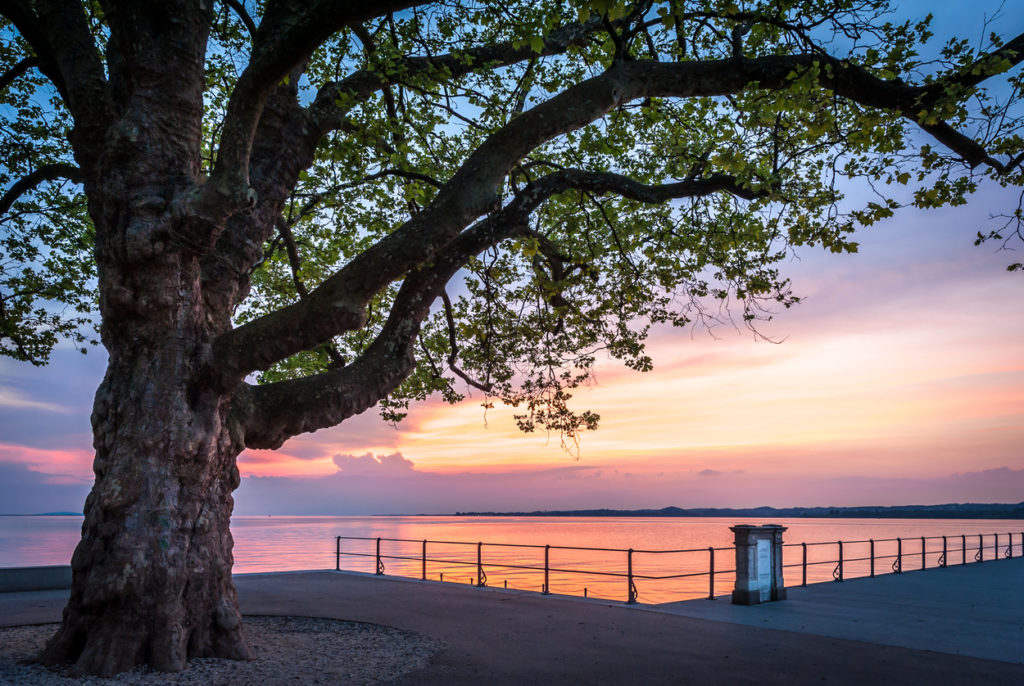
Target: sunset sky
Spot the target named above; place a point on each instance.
(899, 380)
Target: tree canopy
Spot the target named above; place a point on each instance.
(556, 176)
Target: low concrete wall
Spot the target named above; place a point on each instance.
(35, 578)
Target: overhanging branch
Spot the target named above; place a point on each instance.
(336, 306)
(17, 70)
(453, 347)
(47, 172)
(362, 84)
(277, 411)
(25, 21)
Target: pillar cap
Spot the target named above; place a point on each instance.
(751, 527)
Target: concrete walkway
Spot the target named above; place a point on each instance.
(505, 637)
(975, 610)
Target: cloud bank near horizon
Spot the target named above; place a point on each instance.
(392, 484)
(390, 489)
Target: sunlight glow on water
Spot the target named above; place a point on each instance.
(265, 544)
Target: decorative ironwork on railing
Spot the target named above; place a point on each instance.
(662, 575)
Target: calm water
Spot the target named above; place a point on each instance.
(288, 543)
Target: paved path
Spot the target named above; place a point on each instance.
(975, 610)
(499, 637)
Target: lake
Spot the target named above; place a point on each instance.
(264, 544)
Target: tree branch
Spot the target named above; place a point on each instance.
(293, 257)
(25, 21)
(360, 85)
(336, 306)
(243, 15)
(973, 74)
(275, 412)
(76, 59)
(47, 172)
(287, 35)
(453, 343)
(17, 70)
(281, 149)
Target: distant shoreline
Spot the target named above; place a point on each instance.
(947, 511)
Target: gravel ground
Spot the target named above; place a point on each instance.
(288, 650)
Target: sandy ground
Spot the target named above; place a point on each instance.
(288, 650)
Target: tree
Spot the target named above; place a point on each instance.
(365, 203)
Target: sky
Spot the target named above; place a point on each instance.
(898, 380)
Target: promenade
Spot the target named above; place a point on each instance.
(961, 625)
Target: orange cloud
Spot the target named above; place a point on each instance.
(63, 466)
(281, 463)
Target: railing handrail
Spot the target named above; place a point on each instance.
(667, 550)
(966, 541)
(891, 540)
(532, 545)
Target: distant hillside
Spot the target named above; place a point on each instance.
(948, 511)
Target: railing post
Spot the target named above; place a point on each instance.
(481, 578)
(837, 573)
(380, 564)
(923, 562)
(711, 573)
(944, 561)
(804, 581)
(337, 553)
(897, 565)
(980, 557)
(631, 593)
(424, 560)
(872, 555)
(963, 549)
(547, 566)
(996, 549)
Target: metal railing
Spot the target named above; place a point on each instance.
(901, 554)
(615, 572)
(416, 557)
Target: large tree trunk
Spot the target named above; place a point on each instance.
(152, 574)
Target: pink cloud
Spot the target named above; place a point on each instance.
(63, 466)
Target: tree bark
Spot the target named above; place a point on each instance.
(151, 577)
(152, 574)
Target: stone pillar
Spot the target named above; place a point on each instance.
(758, 564)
